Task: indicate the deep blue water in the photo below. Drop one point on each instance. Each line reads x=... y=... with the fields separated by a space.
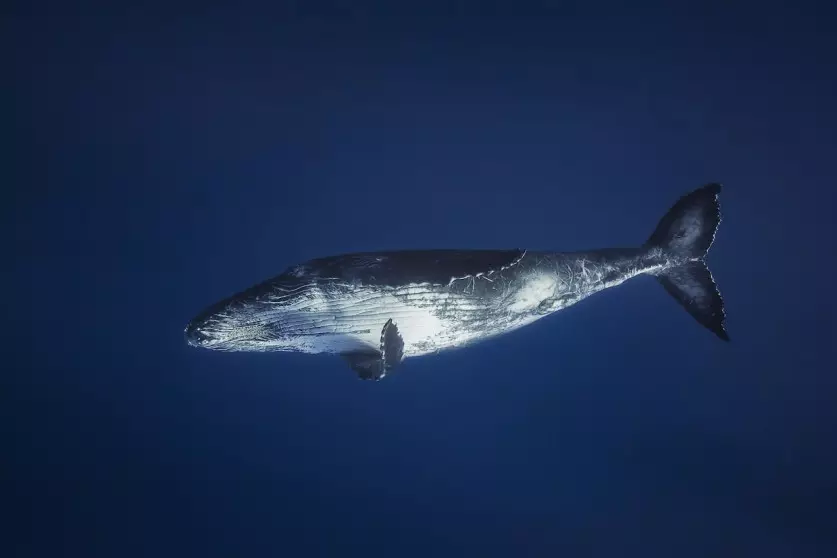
x=159 y=161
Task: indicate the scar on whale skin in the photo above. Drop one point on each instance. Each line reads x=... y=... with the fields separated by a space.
x=487 y=275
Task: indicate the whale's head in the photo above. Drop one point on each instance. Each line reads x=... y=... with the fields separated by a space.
x=266 y=317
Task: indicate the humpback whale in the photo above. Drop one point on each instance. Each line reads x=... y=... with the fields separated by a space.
x=376 y=309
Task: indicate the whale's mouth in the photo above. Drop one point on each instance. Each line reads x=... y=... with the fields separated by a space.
x=196 y=335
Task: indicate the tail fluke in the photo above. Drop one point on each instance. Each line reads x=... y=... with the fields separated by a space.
x=685 y=235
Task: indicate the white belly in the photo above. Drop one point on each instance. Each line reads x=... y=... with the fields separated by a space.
x=429 y=318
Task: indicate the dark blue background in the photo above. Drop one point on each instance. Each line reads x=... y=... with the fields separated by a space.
x=160 y=158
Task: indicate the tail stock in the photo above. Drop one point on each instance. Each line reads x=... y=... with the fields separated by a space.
x=685 y=235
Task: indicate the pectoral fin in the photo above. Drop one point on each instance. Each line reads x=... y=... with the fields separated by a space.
x=374 y=365
x=368 y=366
x=392 y=345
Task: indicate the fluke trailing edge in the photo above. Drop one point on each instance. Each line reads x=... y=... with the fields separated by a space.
x=377 y=308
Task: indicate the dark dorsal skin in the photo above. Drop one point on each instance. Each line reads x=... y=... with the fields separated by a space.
x=409 y=266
